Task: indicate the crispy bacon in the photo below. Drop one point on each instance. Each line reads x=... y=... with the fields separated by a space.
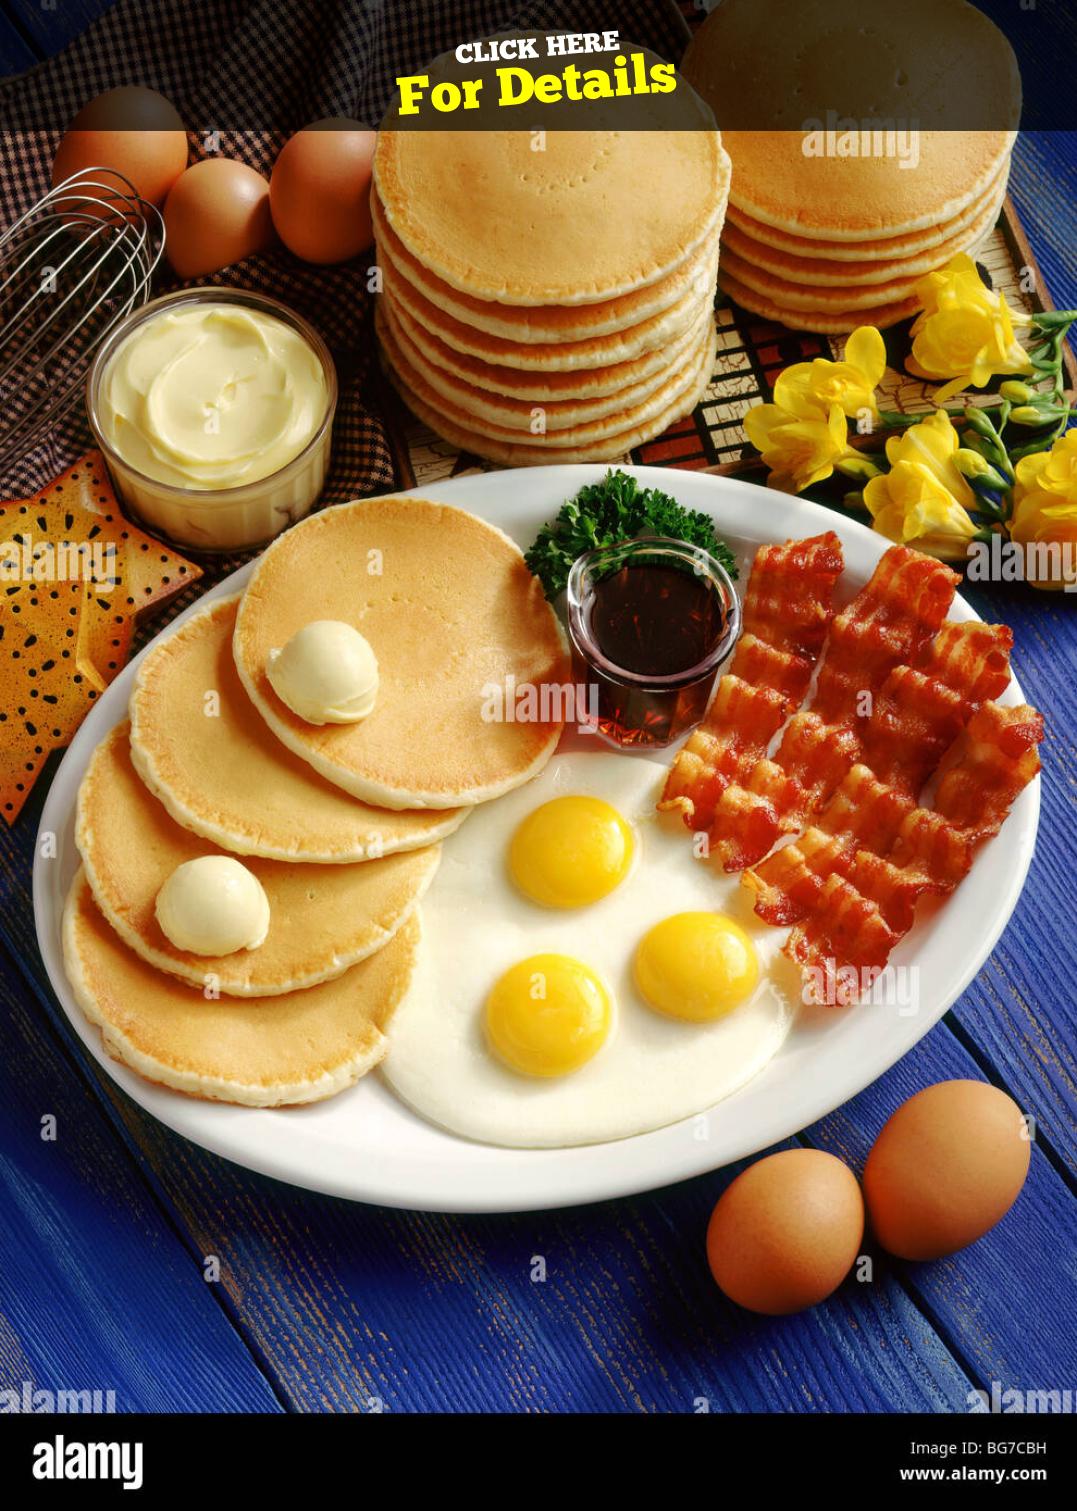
x=846 y=936
x=872 y=898
x=788 y=606
x=921 y=710
x=766 y=666
x=740 y=725
x=990 y=762
x=863 y=811
x=890 y=621
x=788 y=600
x=916 y=716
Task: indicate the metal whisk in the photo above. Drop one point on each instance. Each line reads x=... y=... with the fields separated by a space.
x=71 y=268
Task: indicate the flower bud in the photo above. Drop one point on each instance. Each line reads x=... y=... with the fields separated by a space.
x=979 y=470
x=1016 y=391
x=1035 y=418
x=860 y=468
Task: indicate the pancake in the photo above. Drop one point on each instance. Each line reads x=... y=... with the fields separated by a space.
x=654 y=334
x=500 y=412
x=543 y=323
x=546 y=387
x=230 y=780
x=452 y=612
x=420 y=399
x=892 y=247
x=825 y=323
x=323 y=919
x=468 y=205
x=565 y=429
x=302 y=1047
x=852 y=199
x=886 y=274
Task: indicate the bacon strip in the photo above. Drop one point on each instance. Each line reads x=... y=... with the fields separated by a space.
x=922 y=709
x=916 y=717
x=891 y=621
x=863 y=812
x=864 y=909
x=788 y=605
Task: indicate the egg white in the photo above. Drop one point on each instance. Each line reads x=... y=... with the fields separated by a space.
x=652 y=1070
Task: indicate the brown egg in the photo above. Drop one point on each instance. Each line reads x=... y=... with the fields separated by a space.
x=216 y=213
x=786 y=1232
x=320 y=191
x=945 y=1168
x=133 y=130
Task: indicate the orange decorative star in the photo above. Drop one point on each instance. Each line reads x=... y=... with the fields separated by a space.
x=75 y=577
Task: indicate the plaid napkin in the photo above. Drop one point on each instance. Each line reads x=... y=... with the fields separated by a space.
x=243 y=74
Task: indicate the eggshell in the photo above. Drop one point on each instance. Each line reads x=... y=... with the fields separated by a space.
x=216 y=213
x=947 y=1166
x=320 y=191
x=133 y=130
x=785 y=1234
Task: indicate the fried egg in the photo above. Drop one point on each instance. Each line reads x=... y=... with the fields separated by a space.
x=580 y=978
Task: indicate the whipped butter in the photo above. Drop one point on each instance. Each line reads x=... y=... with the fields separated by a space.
x=213 y=906
x=208 y=408
x=327 y=673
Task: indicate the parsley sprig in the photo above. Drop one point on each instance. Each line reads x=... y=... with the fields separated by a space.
x=614 y=510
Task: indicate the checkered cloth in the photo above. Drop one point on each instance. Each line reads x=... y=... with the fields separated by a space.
x=251 y=71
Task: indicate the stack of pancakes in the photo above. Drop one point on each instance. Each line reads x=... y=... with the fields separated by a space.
x=870 y=144
x=830 y=243
x=549 y=298
x=340 y=824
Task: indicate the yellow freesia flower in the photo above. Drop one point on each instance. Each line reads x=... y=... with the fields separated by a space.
x=965 y=331
x=799 y=446
x=1045 y=509
x=850 y=383
x=923 y=501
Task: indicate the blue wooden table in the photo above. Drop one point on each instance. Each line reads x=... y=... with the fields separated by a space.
x=134 y=1262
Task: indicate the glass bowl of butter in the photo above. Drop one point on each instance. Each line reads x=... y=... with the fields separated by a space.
x=214 y=411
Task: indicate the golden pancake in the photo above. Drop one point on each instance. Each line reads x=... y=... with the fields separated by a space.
x=885 y=249
x=456 y=621
x=222 y=774
x=544 y=322
x=323 y=919
x=654 y=334
x=494 y=217
x=862 y=198
x=564 y=428
x=825 y=323
x=500 y=412
x=885 y=274
x=790 y=295
x=301 y=1047
x=547 y=387
x=421 y=400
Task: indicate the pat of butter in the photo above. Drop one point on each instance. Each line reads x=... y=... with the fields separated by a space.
x=327 y=673
x=213 y=906
x=212 y=396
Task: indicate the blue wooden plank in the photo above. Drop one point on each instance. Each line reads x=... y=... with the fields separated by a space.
x=97 y=1291
x=1043 y=184
x=16 y=52
x=53 y=26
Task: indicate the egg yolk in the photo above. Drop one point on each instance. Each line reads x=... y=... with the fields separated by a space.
x=697 y=966
x=571 y=851
x=547 y=1015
